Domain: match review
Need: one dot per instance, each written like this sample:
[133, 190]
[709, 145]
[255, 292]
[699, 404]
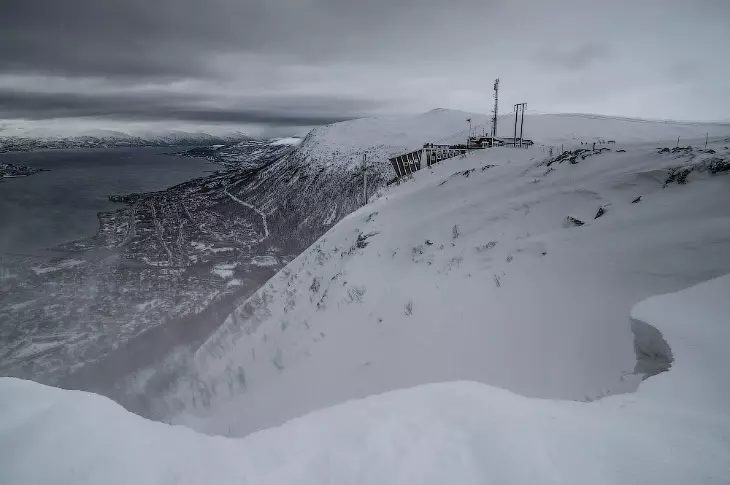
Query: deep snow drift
[674, 429]
[470, 271]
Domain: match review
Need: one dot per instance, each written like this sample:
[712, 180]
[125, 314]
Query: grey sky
[284, 65]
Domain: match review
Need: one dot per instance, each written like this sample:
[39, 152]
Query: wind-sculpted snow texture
[472, 270]
[673, 430]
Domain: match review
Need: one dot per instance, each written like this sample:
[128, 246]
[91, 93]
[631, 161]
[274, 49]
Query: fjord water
[60, 205]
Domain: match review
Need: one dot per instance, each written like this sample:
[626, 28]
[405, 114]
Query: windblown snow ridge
[459, 432]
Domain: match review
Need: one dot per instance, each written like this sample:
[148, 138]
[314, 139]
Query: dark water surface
[51, 208]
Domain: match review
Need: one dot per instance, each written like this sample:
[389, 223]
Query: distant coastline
[9, 171]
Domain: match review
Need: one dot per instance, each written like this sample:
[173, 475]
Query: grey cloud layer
[277, 111]
[172, 37]
[307, 62]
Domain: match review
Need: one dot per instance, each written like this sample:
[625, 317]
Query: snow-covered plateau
[492, 319]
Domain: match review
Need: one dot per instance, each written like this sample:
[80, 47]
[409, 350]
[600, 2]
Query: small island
[8, 170]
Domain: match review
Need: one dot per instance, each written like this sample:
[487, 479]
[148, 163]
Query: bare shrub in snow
[409, 308]
[678, 175]
[486, 247]
[574, 221]
[416, 251]
[717, 165]
[356, 293]
[455, 232]
[320, 304]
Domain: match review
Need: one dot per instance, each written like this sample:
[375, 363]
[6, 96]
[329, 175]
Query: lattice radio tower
[496, 107]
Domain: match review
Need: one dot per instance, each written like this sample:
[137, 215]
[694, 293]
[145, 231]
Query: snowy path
[246, 204]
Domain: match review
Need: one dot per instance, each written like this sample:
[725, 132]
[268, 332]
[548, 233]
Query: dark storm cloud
[176, 37]
[128, 43]
[258, 60]
[277, 111]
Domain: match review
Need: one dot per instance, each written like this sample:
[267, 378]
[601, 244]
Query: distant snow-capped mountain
[245, 154]
[18, 139]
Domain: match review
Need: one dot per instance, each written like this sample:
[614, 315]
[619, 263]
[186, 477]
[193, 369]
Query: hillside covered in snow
[510, 290]
[672, 430]
[306, 192]
[506, 267]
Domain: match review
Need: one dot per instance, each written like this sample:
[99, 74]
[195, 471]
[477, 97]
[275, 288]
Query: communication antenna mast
[496, 107]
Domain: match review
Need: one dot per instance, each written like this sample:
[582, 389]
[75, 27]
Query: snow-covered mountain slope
[288, 203]
[673, 430]
[472, 271]
[245, 154]
[382, 137]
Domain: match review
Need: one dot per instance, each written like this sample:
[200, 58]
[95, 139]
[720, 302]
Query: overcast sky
[281, 66]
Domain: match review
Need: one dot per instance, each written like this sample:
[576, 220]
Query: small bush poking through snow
[679, 175]
[356, 293]
[486, 247]
[409, 308]
[717, 165]
[575, 221]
